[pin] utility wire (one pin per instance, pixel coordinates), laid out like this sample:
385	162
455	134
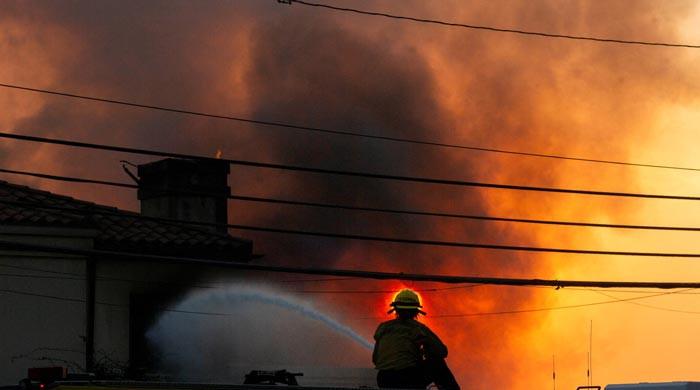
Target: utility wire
314	291
294	168
220	287
348	133
615	299
651	306
453	279
541	309
25	268
318	205
456	244
439	316
397	240
80	300
461	216
489	28
421	290
461	315
439	243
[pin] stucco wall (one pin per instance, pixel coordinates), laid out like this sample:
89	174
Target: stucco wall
42	308
43	302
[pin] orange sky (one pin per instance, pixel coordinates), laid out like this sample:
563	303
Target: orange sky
301	65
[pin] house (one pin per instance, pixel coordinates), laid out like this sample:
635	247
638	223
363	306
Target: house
90	312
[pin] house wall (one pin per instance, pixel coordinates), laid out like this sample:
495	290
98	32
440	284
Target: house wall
129	297
42	302
43	308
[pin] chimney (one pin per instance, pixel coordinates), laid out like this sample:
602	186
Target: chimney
189	190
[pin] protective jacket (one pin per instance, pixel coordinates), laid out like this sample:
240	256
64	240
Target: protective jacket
404	343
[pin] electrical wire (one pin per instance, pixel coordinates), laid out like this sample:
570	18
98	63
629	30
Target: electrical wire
189	284
437	316
347	133
452	279
219	287
463	216
295	168
449	244
490	28
650	306
25	268
329	206
535	310
520	311
81	277
455	244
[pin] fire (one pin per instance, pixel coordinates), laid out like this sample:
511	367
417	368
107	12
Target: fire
218	153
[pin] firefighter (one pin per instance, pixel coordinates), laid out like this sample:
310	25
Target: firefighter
407	353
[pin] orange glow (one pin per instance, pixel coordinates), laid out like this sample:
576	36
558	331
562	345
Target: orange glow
601	101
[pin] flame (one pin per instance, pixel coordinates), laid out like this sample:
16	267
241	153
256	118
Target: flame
218	153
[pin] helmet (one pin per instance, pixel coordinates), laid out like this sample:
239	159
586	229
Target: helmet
406	299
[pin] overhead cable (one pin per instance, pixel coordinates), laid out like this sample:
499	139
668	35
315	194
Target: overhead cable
650	306
219	287
438	243
461	216
348	133
397	240
295	168
453	279
541	309
319	205
491	28
455	244
189	284
437	316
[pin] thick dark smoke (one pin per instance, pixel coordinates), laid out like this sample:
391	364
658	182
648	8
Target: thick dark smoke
287	63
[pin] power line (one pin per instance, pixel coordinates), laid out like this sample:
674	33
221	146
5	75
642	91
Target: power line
421	290
295	168
318	205
461	315
651	306
541	309
462	216
456	244
450	244
439	316
56	277
80	300
219	287
25	268
453	279
347	133
453	244
490	28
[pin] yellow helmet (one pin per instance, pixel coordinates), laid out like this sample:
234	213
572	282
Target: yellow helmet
406	299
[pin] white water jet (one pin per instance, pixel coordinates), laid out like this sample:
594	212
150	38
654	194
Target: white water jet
224	297
221	334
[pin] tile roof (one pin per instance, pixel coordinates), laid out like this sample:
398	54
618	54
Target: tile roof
117	230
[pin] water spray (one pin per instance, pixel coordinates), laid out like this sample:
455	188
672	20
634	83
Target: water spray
227	296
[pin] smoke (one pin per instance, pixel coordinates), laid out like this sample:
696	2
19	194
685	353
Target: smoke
251	328
293	64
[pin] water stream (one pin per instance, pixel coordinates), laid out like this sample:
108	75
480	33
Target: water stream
231	296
